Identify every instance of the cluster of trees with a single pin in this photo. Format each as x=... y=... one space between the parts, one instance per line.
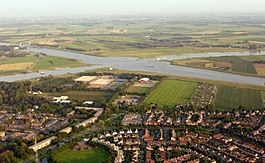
x=13 y=149
x=15 y=95
x=8 y=157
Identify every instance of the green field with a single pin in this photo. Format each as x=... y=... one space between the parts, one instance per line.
x=50 y=62
x=84 y=95
x=252 y=58
x=140 y=88
x=171 y=92
x=28 y=58
x=263 y=97
x=238 y=64
x=45 y=63
x=149 y=84
x=231 y=98
x=18 y=60
x=88 y=156
x=137 y=90
x=115 y=85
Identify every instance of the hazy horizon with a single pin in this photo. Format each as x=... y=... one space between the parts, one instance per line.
x=59 y=8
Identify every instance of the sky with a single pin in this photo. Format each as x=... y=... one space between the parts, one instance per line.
x=47 y=8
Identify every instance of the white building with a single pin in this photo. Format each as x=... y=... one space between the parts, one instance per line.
x=42 y=144
x=67 y=130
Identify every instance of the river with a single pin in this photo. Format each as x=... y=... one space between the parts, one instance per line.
x=145 y=65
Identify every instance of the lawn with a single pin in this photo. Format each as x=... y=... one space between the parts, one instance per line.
x=50 y=62
x=172 y=92
x=92 y=156
x=84 y=95
x=231 y=98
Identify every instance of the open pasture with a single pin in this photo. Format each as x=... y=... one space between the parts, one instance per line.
x=50 y=62
x=172 y=92
x=228 y=98
x=92 y=156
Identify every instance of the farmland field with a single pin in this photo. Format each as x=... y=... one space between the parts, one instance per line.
x=172 y=92
x=252 y=58
x=228 y=63
x=260 y=66
x=232 y=98
x=151 y=37
x=92 y=156
x=15 y=66
x=83 y=95
x=29 y=58
x=238 y=64
x=50 y=62
x=31 y=62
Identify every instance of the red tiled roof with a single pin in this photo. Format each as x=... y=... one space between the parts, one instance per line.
x=218 y=136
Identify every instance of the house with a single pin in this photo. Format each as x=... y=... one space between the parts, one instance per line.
x=218 y=136
x=2 y=134
x=132 y=119
x=65 y=102
x=191 y=134
x=184 y=140
x=146 y=136
x=88 y=102
x=60 y=98
x=85 y=123
x=205 y=136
